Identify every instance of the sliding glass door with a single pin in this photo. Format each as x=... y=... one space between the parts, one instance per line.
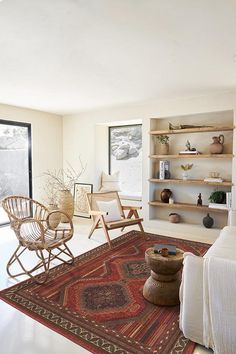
x=15 y=161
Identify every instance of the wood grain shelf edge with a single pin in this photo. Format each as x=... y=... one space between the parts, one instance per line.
x=188 y=207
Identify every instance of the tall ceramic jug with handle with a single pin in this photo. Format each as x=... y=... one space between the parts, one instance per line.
x=218 y=144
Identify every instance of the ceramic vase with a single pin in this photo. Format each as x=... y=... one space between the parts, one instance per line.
x=185 y=175
x=208 y=221
x=217 y=146
x=66 y=204
x=165 y=195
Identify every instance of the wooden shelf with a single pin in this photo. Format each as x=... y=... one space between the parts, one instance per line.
x=191 y=130
x=199 y=156
x=191 y=181
x=187 y=206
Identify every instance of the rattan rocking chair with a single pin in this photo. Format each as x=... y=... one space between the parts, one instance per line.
x=98 y=216
x=30 y=221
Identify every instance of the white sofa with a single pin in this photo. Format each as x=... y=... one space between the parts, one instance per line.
x=208 y=295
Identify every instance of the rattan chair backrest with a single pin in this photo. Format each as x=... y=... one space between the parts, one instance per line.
x=19 y=207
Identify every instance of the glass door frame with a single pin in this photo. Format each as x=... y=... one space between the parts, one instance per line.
x=29 y=135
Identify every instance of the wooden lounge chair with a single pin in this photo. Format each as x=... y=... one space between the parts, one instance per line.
x=99 y=214
x=30 y=221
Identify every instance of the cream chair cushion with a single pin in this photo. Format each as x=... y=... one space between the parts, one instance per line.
x=111 y=208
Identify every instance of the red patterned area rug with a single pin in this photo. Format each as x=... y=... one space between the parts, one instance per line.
x=98 y=302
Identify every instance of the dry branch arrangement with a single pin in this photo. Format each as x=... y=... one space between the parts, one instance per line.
x=62 y=179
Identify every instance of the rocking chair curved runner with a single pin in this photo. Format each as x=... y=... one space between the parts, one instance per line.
x=30 y=221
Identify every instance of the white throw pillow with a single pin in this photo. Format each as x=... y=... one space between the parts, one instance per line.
x=110 y=183
x=111 y=208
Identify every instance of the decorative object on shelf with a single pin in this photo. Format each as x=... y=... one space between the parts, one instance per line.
x=163 y=144
x=199 y=201
x=214 y=177
x=189 y=150
x=187 y=126
x=80 y=199
x=171 y=200
x=186 y=168
x=164 y=167
x=174 y=218
x=208 y=221
x=165 y=195
x=214 y=174
x=218 y=200
x=188 y=146
x=218 y=144
x=218 y=197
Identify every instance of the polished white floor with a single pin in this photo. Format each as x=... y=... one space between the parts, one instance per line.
x=19 y=334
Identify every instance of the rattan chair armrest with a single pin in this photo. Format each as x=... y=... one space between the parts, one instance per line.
x=61 y=212
x=98 y=213
x=130 y=207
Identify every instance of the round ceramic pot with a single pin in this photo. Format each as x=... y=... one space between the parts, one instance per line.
x=165 y=195
x=174 y=218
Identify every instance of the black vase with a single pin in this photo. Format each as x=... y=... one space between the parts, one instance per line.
x=208 y=221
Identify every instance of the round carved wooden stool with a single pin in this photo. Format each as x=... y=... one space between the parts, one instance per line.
x=162 y=287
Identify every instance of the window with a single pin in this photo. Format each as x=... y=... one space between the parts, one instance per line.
x=15 y=157
x=125 y=155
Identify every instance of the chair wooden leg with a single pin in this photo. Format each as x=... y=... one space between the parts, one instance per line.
x=94 y=226
x=140 y=225
x=129 y=216
x=66 y=251
x=106 y=232
x=16 y=258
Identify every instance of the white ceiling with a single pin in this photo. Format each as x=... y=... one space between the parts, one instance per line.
x=66 y=56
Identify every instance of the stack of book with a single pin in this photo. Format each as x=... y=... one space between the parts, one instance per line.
x=217 y=206
x=213 y=179
x=164 y=167
x=189 y=152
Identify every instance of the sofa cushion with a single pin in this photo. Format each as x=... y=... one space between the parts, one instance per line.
x=110 y=183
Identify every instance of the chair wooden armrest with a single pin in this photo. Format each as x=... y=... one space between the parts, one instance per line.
x=97 y=213
x=129 y=207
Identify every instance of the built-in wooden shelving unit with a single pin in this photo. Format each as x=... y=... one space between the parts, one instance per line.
x=191 y=181
x=187 y=206
x=188 y=190
x=191 y=130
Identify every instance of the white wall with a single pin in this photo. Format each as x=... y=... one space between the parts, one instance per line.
x=79 y=132
x=47 y=148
